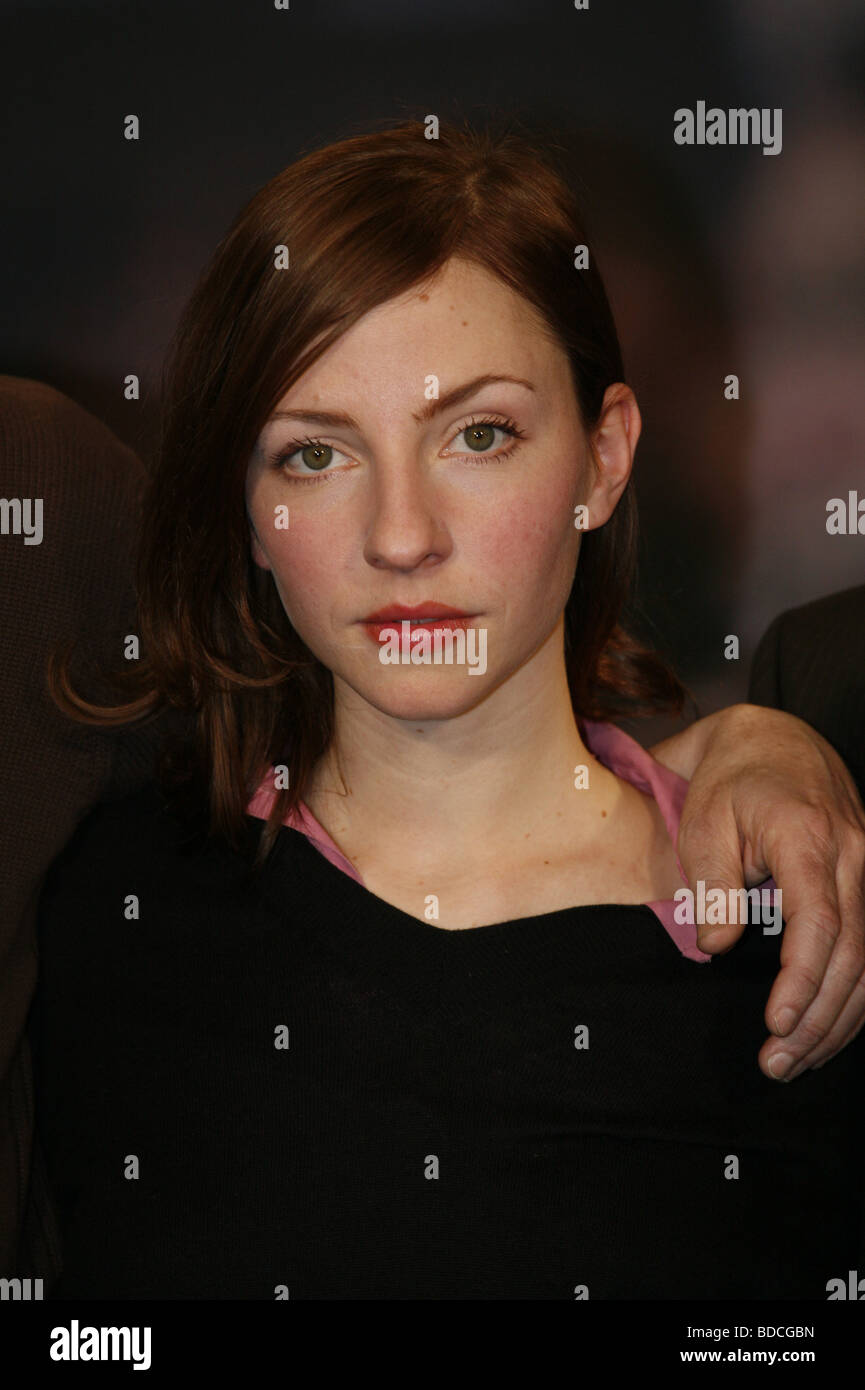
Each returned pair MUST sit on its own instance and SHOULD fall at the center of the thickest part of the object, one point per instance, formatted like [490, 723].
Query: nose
[407, 525]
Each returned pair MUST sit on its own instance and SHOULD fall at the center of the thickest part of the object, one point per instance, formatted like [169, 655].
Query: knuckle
[695, 824]
[807, 984]
[825, 922]
[811, 1031]
[851, 958]
[819, 826]
[835, 1042]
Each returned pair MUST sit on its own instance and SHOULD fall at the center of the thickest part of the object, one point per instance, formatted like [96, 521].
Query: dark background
[717, 259]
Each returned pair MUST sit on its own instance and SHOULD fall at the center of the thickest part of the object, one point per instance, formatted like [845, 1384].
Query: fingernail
[779, 1064]
[784, 1020]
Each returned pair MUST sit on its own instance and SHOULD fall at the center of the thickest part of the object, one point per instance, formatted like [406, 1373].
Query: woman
[365, 1040]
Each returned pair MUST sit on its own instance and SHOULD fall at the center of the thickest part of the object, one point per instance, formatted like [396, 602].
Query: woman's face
[391, 505]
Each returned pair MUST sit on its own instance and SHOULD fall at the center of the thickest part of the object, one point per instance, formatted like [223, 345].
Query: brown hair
[364, 220]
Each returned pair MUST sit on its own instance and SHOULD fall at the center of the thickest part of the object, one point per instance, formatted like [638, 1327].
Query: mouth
[433, 616]
[415, 614]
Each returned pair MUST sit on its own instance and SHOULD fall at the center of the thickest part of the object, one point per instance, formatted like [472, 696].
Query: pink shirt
[612, 747]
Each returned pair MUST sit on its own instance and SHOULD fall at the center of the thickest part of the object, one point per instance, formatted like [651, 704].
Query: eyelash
[505, 423]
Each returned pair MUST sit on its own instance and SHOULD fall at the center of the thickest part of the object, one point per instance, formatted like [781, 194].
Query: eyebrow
[433, 407]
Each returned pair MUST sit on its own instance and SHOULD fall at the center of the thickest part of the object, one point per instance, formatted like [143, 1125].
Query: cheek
[304, 568]
[530, 538]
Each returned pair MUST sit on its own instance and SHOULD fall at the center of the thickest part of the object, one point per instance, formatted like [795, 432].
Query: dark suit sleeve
[764, 686]
[811, 663]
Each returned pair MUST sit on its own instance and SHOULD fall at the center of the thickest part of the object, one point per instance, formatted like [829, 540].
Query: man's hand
[769, 796]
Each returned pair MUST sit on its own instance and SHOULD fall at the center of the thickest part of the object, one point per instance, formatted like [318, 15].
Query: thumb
[713, 868]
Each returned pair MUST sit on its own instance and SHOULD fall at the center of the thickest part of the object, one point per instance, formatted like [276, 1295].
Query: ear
[612, 443]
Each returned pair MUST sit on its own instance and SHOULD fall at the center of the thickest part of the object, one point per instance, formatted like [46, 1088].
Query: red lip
[399, 611]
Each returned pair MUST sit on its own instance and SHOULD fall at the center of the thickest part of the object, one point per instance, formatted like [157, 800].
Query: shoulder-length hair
[362, 220]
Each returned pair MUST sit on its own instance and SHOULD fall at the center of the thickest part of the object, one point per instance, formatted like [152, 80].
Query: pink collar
[612, 747]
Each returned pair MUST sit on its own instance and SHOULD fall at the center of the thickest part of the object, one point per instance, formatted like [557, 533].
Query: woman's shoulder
[633, 763]
[135, 819]
[127, 843]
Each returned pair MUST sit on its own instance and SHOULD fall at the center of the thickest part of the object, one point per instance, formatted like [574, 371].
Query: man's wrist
[684, 751]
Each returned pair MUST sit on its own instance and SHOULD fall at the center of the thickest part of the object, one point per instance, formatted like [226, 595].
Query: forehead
[459, 289]
[461, 322]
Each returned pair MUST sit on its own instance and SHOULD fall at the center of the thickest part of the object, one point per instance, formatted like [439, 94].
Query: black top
[431, 1130]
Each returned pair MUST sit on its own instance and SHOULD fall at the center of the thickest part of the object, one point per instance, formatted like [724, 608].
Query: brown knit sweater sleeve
[70, 504]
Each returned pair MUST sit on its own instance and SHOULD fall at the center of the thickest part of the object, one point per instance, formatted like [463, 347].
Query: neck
[488, 777]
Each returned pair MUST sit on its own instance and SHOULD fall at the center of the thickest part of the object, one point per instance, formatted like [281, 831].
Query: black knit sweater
[281, 1084]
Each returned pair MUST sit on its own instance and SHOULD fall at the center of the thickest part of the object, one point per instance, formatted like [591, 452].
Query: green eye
[316, 456]
[480, 437]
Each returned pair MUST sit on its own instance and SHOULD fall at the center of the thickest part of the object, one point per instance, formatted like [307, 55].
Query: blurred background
[717, 259]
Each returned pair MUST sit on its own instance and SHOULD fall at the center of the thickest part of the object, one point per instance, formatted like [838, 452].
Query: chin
[411, 697]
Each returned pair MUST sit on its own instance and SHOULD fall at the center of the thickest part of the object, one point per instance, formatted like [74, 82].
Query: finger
[810, 939]
[838, 1038]
[708, 864]
[855, 1010]
[716, 939]
[834, 925]
[841, 1033]
[851, 895]
[838, 1005]
[843, 988]
[813, 919]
